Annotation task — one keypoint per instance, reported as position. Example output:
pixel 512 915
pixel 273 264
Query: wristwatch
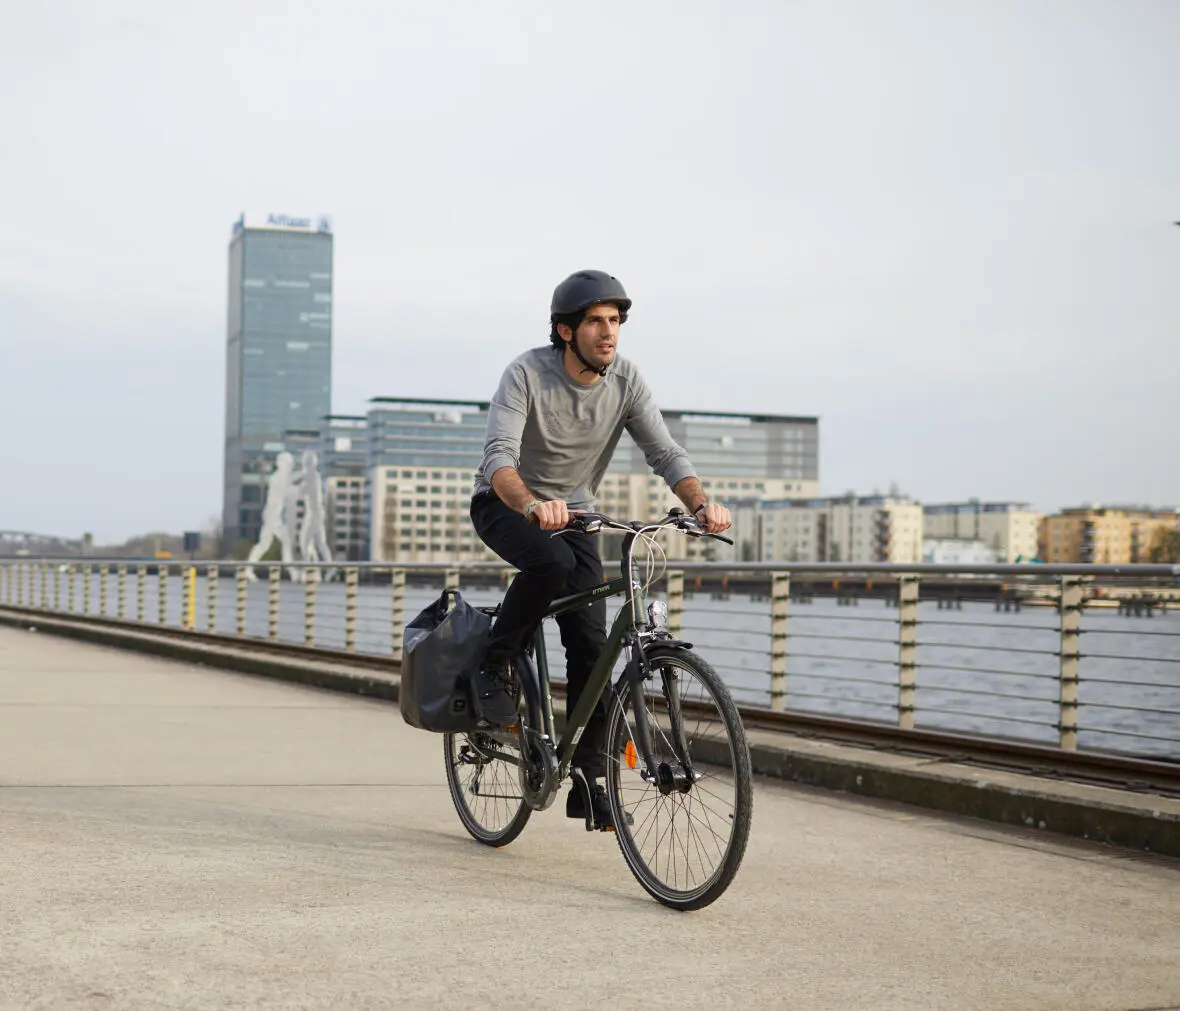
pixel 528 509
pixel 703 505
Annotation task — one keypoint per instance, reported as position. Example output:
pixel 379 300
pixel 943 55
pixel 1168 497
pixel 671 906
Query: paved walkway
pixel 177 837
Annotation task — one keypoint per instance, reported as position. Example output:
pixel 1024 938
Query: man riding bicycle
pixel 553 425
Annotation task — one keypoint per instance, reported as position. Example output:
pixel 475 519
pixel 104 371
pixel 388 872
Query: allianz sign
pixel 283 221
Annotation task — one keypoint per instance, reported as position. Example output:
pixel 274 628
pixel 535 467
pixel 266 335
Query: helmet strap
pixel 599 370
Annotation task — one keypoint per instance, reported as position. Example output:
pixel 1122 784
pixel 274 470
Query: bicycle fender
pixel 671 643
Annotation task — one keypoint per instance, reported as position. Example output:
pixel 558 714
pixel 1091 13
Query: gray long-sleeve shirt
pixel 560 435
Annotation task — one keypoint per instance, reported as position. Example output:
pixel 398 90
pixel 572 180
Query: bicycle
pixel 680 797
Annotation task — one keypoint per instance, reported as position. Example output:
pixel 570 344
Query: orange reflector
pixel 631 755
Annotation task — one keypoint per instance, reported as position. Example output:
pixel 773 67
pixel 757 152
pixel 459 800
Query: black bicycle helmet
pixel 586 288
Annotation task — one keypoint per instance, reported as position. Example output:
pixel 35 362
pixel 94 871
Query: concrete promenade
pixel 174 836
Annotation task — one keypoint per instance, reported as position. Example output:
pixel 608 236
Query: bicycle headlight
pixel 657 613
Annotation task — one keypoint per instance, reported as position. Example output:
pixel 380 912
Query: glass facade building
pixel 405 432
pixel 278 355
pixel 439 433
pixel 736 445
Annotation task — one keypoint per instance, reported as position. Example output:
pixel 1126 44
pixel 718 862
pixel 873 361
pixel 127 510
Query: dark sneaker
pixel 495 695
pixel 575 807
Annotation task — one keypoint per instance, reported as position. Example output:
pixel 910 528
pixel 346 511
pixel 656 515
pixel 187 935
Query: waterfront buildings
pixel 848 528
pixel 1107 535
pixel 1009 530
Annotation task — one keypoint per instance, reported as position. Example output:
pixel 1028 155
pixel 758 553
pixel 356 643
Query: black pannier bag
pixel 441 654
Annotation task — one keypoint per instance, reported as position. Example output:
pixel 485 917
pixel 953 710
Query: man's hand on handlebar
pixel 714 518
pixel 553 515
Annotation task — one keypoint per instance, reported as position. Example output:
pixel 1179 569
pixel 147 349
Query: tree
pixel 1165 546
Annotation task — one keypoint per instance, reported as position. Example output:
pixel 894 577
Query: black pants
pixel 550 567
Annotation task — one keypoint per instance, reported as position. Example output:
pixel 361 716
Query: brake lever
pixel 692 527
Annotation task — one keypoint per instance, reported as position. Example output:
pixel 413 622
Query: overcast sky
pixel 944 228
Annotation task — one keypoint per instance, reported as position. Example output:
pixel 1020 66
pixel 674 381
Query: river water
pixel 978 669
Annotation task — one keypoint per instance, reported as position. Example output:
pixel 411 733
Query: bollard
pixel 397 583
pixel 309 586
pixel 274 579
pixel 86 588
pixel 1070 614
pixel 350 598
pixel 212 578
pixel 140 593
pixel 70 573
pixel 188 607
pixel 191 611
pixel 104 574
pixel 675 601
pixel 162 594
pixel 780 594
pixel 242 588
pixel 907 657
pixel 57 587
pixel 122 590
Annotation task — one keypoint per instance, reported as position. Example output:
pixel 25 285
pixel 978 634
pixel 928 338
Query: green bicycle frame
pixel 625 623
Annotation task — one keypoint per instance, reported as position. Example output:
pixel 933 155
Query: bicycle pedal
pixel 579 803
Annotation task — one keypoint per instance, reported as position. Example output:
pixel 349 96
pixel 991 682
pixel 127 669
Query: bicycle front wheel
pixel 683 838
pixel 485 787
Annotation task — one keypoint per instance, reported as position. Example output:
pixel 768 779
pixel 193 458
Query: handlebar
pixel 592 522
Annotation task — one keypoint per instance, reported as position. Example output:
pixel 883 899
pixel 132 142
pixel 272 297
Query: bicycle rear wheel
pixel 684 842
pixel 485 787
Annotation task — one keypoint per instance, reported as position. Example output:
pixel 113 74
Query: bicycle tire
pixel 715 735
pixel 499 802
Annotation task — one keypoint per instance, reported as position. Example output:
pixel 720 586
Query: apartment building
pixel 875 528
pixel 1105 535
pixel 645 496
pixel 1009 530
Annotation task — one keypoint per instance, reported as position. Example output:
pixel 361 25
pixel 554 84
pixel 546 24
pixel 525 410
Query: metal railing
pixel 1081 656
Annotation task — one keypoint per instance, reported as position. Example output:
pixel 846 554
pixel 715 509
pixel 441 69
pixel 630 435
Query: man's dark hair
pixel 571 319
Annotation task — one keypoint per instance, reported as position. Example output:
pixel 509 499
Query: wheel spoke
pixel 683 848
pixel 484 781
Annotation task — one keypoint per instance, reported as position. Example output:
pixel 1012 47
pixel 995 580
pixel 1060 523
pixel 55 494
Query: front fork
pixel 663 774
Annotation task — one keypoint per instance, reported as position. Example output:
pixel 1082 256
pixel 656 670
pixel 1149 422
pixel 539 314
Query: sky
pixel 943 228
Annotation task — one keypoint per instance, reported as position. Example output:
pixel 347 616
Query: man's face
pixel 598 334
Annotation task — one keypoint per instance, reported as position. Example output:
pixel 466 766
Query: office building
pixel 423 456
pixel 344 464
pixel 278 355
pixel 1009 530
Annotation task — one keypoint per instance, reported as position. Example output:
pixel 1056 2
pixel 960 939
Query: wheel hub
pixel 671 777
